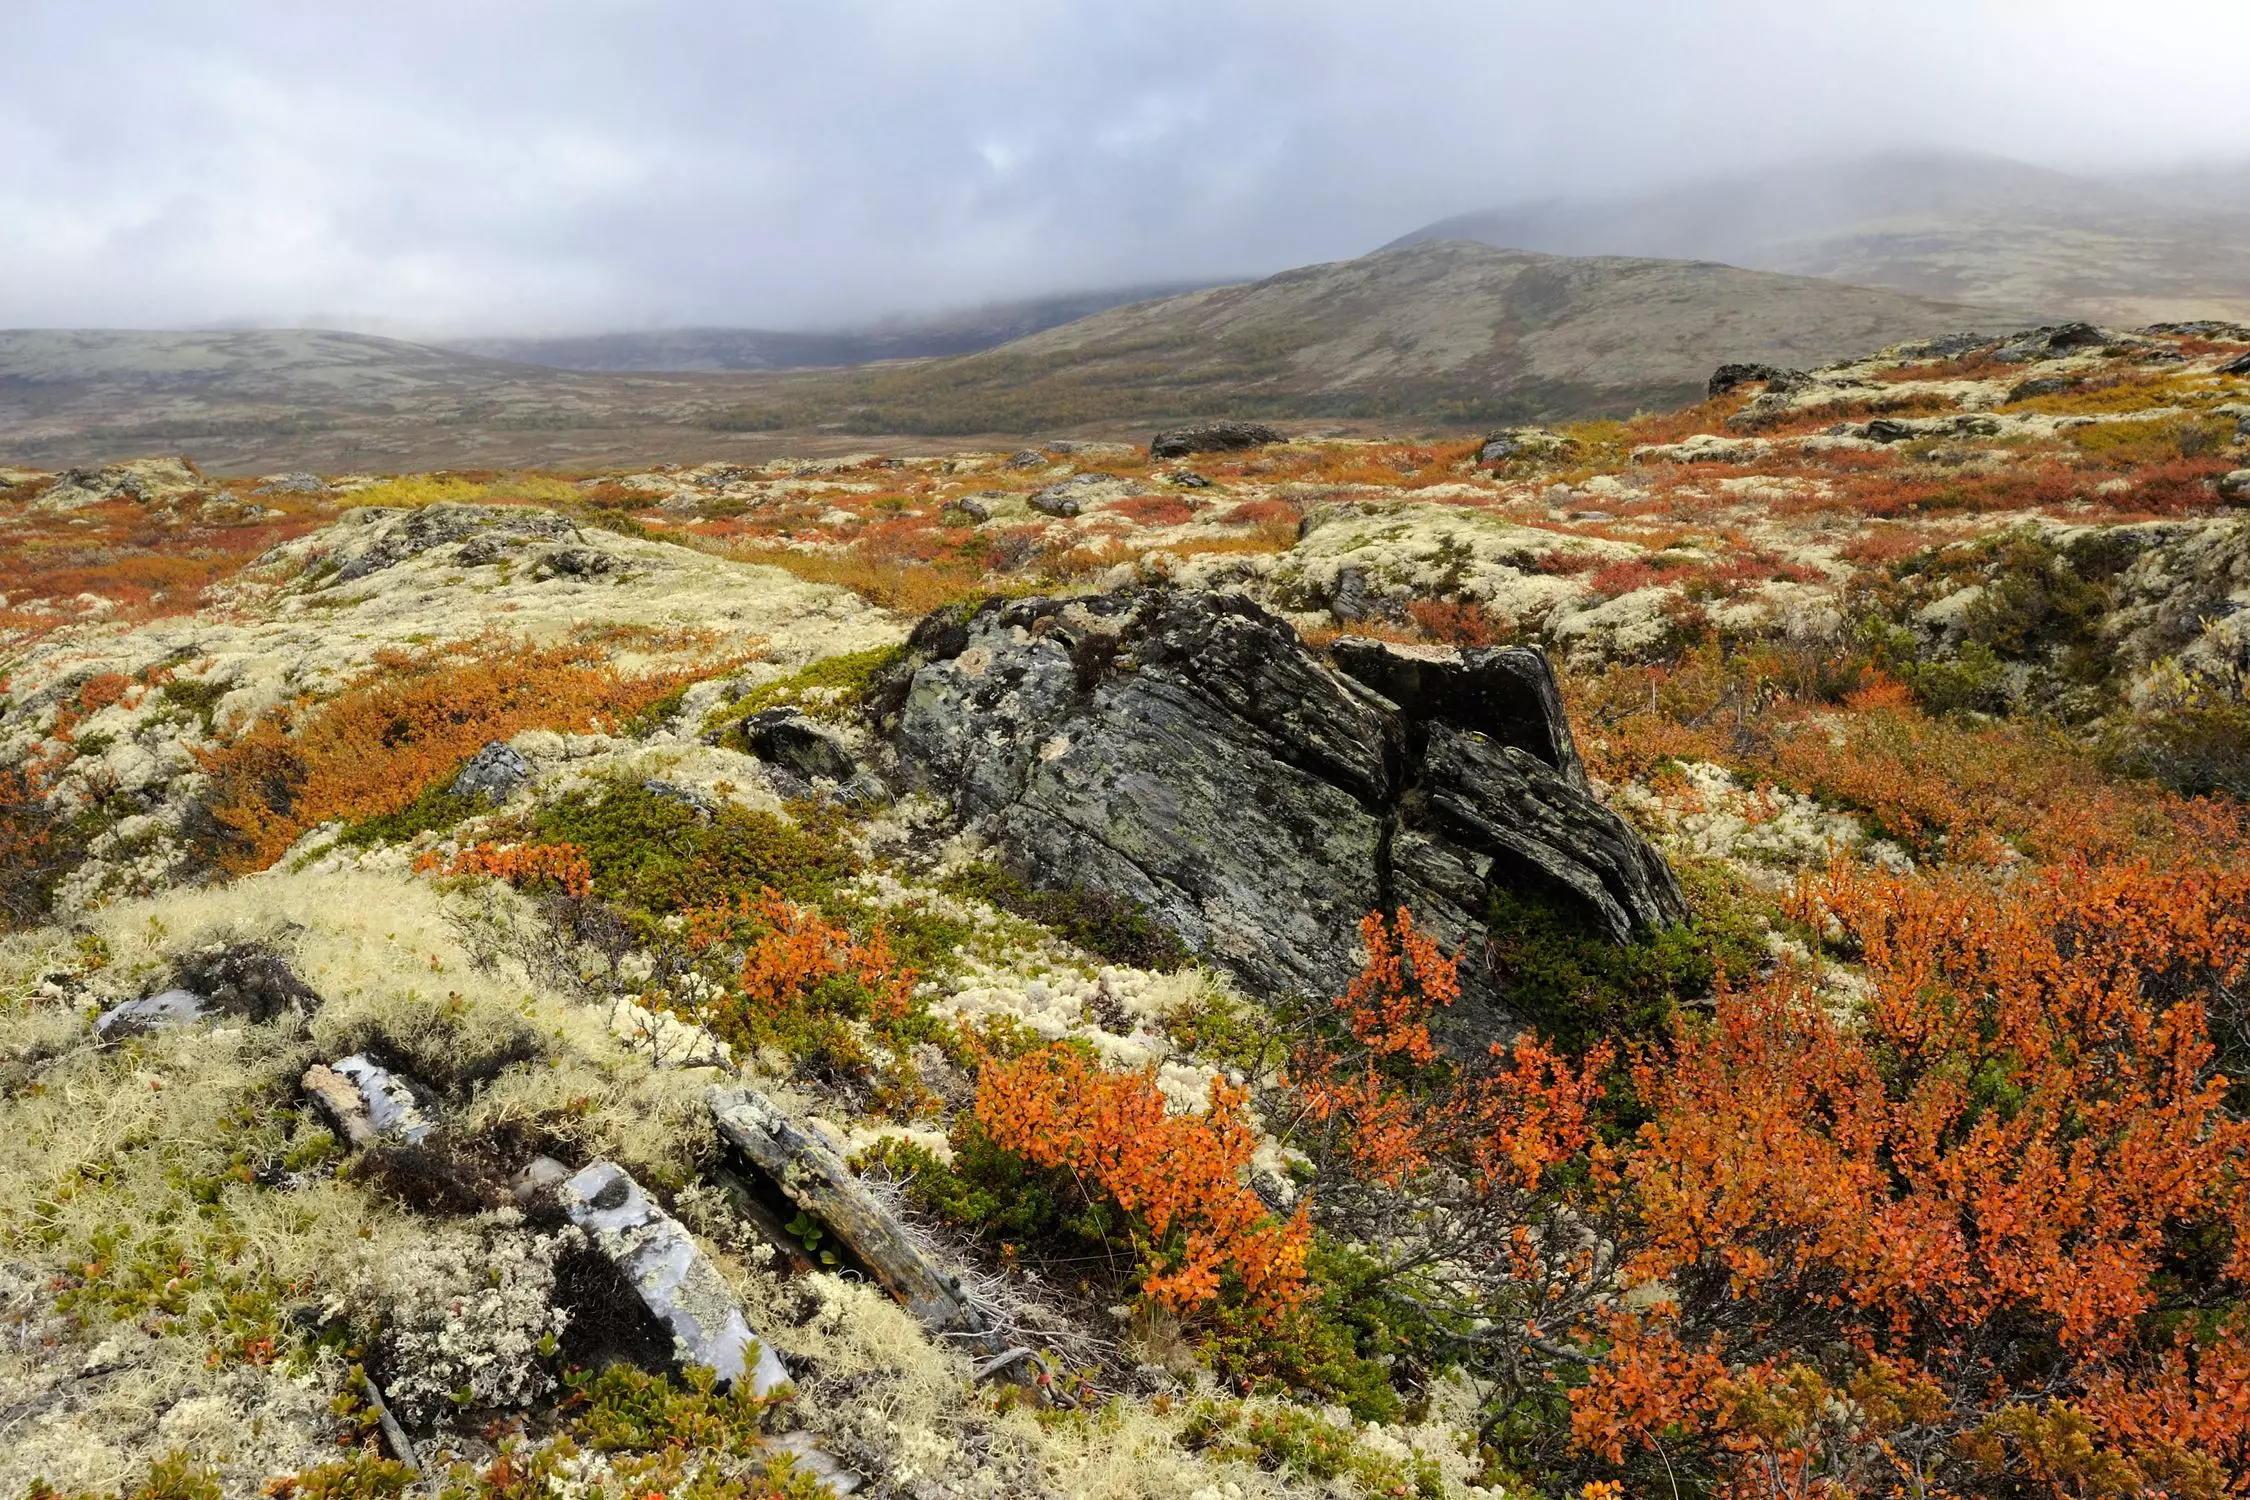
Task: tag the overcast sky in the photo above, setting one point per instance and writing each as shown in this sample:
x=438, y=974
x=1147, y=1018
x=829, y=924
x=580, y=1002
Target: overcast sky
x=490, y=166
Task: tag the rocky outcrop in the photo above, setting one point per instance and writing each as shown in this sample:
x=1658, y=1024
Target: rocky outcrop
x=1212, y=437
x=1187, y=752
x=373, y=538
x=147, y=480
x=1522, y=442
x=1773, y=377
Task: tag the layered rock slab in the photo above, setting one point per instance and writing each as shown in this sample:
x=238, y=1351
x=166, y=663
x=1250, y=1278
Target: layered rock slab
x=1186, y=751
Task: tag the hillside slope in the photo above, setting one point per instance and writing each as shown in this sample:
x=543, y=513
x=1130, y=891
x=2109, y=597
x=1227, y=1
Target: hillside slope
x=964, y=331
x=1446, y=332
x=1971, y=228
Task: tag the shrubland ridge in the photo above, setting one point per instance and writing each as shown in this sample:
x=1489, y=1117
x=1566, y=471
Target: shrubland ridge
x=1913, y=1164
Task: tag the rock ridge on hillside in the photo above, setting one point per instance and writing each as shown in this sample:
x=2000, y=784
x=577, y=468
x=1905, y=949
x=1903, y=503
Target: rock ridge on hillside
x=1186, y=751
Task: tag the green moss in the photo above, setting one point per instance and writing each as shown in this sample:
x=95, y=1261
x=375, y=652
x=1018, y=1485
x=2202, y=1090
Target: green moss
x=986, y=1190
x=363, y=1476
x=198, y=696
x=657, y=714
x=435, y=810
x=630, y=1411
x=831, y=688
x=1105, y=926
x=1577, y=986
x=176, y=1476
x=1342, y=1345
x=2032, y=637
x=658, y=855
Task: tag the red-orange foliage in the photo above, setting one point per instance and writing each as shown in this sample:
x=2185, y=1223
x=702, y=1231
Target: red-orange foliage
x=1456, y=622
x=1179, y=1177
x=565, y=865
x=2010, y=1195
x=798, y=951
x=812, y=989
x=373, y=747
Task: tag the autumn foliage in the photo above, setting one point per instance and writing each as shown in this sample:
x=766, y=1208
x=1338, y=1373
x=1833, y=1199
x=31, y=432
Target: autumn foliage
x=563, y=866
x=1178, y=1177
x=2009, y=1194
x=375, y=746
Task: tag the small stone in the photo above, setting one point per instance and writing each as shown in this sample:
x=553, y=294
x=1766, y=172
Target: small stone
x=2235, y=485
x=539, y=1175
x=1027, y=458
x=2042, y=385
x=976, y=507
x=787, y=737
x=155, y=1012
x=493, y=774
x=1187, y=479
x=1055, y=501
x=689, y=797
x=393, y=1109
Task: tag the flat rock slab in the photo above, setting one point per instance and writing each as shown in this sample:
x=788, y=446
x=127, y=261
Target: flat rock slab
x=678, y=1282
x=152, y=1013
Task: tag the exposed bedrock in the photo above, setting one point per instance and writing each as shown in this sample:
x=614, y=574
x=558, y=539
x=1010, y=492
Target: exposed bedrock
x=1186, y=751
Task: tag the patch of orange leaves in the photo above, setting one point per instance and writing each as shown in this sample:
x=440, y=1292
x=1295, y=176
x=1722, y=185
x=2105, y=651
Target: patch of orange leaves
x=1179, y=1177
x=520, y=865
x=1976, y=1196
x=373, y=747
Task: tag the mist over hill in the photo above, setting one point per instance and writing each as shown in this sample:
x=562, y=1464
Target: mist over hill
x=962, y=331
x=2127, y=249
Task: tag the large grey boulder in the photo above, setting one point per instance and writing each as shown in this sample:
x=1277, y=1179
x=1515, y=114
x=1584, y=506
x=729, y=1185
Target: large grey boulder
x=1213, y=437
x=1185, y=751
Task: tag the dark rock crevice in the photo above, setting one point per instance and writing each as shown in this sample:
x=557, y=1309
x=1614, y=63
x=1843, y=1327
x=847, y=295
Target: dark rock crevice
x=1187, y=752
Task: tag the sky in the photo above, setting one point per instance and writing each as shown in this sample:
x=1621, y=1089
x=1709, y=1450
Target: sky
x=499, y=166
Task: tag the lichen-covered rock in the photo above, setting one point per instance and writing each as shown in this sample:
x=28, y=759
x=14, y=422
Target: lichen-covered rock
x=1523, y=442
x=677, y=1281
x=374, y=538
x=1187, y=752
x=147, y=480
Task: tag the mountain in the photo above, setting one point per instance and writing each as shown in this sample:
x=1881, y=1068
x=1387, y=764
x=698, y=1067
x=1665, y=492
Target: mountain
x=1443, y=331
x=1968, y=228
x=695, y=349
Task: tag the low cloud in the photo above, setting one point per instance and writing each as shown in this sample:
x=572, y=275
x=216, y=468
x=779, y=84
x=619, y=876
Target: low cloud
x=573, y=165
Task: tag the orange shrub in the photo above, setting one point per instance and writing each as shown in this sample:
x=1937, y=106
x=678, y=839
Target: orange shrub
x=2004, y=1211
x=1456, y=623
x=1177, y=1177
x=373, y=747
x=519, y=864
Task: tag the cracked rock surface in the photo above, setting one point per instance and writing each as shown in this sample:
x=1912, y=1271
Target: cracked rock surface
x=1186, y=751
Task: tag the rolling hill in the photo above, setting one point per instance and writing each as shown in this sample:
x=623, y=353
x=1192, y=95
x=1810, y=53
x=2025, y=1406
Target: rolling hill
x=1444, y=332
